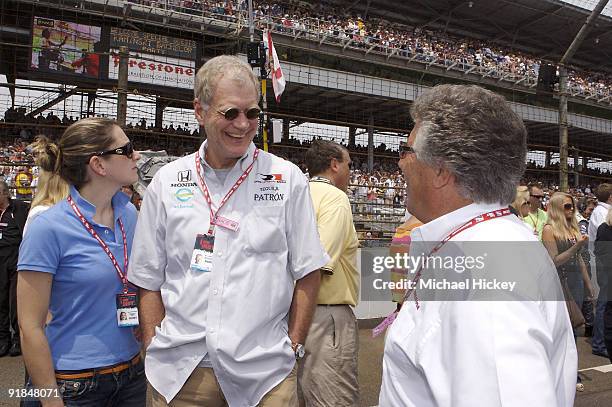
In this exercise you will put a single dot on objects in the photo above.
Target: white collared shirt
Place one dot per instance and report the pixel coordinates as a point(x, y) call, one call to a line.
point(238, 313)
point(598, 216)
point(482, 353)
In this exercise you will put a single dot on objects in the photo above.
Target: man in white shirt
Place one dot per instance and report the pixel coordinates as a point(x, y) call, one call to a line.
point(462, 162)
point(223, 236)
point(598, 216)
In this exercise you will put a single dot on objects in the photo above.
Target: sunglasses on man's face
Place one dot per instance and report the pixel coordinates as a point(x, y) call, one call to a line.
point(568, 206)
point(536, 196)
point(126, 150)
point(233, 112)
point(405, 150)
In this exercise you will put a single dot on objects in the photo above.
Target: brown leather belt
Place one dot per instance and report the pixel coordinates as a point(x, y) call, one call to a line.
point(84, 374)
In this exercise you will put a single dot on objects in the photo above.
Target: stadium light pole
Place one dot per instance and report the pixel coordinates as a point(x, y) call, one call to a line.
point(563, 128)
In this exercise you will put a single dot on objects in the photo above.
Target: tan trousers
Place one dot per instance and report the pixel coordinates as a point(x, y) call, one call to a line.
point(202, 389)
point(327, 375)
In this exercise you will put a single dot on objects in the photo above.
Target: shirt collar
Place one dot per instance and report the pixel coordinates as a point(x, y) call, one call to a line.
point(119, 203)
point(439, 228)
point(605, 205)
point(243, 161)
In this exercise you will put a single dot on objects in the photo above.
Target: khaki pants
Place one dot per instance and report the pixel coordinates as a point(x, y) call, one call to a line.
point(327, 375)
point(202, 389)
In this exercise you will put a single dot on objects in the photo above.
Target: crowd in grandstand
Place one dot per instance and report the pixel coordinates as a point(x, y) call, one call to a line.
point(383, 186)
point(425, 45)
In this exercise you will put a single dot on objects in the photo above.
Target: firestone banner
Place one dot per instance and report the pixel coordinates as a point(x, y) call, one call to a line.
point(155, 70)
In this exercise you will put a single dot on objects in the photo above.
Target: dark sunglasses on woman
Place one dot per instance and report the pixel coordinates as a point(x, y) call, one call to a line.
point(126, 150)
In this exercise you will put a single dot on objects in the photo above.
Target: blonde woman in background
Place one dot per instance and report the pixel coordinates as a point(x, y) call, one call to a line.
point(561, 237)
point(520, 205)
point(51, 187)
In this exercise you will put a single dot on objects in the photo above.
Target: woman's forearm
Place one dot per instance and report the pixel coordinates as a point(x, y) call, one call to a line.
point(37, 358)
point(562, 258)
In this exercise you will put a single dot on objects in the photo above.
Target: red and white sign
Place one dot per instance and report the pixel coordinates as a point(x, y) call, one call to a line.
point(155, 70)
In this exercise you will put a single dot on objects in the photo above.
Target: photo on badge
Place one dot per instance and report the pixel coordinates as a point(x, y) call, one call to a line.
point(201, 258)
point(127, 317)
point(127, 310)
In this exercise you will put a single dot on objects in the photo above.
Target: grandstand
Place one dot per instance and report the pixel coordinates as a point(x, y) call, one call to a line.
point(352, 68)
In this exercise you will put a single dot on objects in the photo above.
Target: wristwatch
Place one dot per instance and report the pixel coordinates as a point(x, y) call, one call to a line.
point(299, 350)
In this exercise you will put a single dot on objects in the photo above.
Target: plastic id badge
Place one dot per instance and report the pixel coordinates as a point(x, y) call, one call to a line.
point(127, 310)
point(201, 258)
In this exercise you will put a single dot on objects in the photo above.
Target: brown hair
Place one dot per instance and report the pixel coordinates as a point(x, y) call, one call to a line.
point(319, 155)
point(70, 156)
point(603, 192)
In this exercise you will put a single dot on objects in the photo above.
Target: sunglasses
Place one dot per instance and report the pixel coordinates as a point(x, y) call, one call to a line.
point(404, 150)
point(233, 112)
point(536, 196)
point(126, 150)
point(568, 206)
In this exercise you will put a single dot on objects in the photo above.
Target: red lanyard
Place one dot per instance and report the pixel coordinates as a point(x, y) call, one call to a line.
point(102, 243)
point(470, 223)
point(204, 188)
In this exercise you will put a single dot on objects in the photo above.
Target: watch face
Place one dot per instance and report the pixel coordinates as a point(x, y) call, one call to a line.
point(299, 351)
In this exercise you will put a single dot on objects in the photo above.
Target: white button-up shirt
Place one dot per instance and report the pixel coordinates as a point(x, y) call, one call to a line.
point(598, 216)
point(238, 312)
point(482, 353)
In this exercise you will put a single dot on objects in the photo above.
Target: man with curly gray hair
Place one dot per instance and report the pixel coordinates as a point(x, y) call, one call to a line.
point(462, 163)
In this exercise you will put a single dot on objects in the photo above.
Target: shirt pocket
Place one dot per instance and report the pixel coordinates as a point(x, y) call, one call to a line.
point(265, 229)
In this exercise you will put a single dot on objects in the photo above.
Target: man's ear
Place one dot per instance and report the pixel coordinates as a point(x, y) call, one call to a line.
point(199, 110)
point(442, 177)
point(334, 165)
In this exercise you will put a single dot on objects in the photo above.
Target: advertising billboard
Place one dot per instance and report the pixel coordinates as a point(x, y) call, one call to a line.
point(155, 70)
point(154, 59)
point(65, 47)
point(153, 43)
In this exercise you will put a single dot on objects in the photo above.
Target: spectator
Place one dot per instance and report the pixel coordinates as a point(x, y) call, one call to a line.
point(51, 188)
point(460, 188)
point(23, 182)
point(536, 218)
point(561, 237)
point(327, 374)
point(13, 215)
point(585, 208)
point(603, 254)
point(72, 263)
point(598, 216)
point(253, 353)
point(520, 206)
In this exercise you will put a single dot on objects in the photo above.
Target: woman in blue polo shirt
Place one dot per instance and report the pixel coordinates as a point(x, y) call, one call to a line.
point(72, 263)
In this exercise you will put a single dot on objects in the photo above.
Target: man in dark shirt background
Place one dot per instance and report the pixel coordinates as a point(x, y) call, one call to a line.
point(13, 215)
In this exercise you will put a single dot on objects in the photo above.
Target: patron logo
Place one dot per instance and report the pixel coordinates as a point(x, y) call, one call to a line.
point(268, 197)
point(183, 176)
point(278, 178)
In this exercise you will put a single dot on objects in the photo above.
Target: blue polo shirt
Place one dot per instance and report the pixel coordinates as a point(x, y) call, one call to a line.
point(83, 333)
